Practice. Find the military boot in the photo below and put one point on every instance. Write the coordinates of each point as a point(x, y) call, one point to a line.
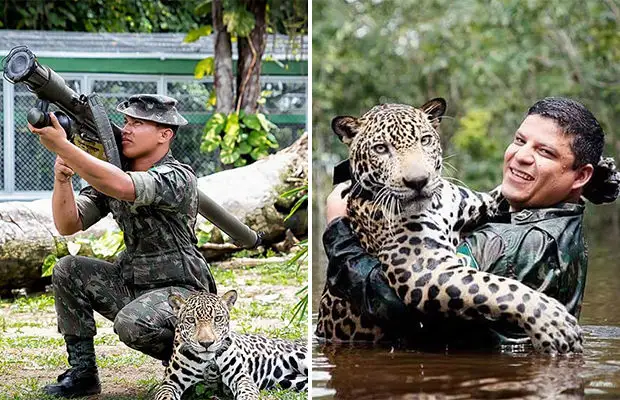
point(82, 378)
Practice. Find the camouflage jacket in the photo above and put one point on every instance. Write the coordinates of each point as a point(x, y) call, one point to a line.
point(542, 248)
point(158, 227)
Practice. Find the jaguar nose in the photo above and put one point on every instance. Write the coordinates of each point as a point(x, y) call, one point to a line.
point(205, 344)
point(416, 183)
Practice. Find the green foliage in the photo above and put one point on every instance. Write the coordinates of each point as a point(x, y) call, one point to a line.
point(300, 311)
point(205, 67)
point(101, 15)
point(302, 192)
point(106, 247)
point(239, 21)
point(197, 33)
point(472, 135)
point(204, 233)
point(48, 265)
point(240, 137)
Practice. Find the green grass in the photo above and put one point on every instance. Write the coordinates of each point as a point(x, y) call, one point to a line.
point(32, 304)
point(224, 276)
point(107, 339)
point(278, 274)
point(22, 324)
point(30, 342)
point(126, 359)
point(255, 309)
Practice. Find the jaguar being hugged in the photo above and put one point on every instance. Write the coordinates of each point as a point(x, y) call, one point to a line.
point(410, 217)
point(205, 349)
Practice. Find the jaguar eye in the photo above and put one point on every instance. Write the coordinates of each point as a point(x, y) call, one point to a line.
point(426, 140)
point(219, 318)
point(191, 320)
point(380, 148)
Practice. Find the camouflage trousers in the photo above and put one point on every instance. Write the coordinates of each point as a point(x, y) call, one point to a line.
point(143, 320)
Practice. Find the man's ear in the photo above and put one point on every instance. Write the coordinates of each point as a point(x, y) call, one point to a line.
point(166, 135)
point(584, 174)
point(435, 109)
point(346, 128)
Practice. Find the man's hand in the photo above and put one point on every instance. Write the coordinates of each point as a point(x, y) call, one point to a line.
point(52, 137)
point(62, 172)
point(336, 205)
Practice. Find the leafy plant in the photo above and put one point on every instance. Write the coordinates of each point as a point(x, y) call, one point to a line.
point(106, 247)
point(300, 311)
point(240, 137)
point(203, 233)
point(301, 190)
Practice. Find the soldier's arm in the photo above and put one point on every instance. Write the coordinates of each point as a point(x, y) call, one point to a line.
point(167, 186)
point(356, 275)
point(64, 210)
point(105, 177)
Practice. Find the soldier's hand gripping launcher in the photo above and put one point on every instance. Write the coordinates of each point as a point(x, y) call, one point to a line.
point(87, 125)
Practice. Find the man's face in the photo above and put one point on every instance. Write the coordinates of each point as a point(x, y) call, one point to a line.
point(538, 166)
point(140, 137)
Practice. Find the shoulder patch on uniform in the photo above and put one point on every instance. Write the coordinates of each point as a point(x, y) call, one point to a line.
point(163, 169)
point(464, 253)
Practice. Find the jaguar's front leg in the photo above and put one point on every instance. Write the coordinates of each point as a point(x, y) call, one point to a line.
point(468, 293)
point(183, 372)
point(240, 382)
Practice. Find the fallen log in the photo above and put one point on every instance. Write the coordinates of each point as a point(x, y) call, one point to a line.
point(243, 262)
point(251, 193)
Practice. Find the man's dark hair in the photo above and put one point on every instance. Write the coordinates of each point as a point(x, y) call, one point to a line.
point(577, 121)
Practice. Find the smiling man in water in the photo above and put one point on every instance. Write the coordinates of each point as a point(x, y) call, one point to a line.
point(553, 160)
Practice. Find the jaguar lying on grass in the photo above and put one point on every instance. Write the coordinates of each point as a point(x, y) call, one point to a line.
point(407, 215)
point(206, 350)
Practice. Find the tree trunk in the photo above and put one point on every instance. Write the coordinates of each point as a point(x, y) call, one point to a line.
point(250, 52)
point(223, 74)
point(251, 193)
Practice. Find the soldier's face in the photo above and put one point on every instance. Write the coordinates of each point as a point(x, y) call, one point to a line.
point(538, 166)
point(140, 137)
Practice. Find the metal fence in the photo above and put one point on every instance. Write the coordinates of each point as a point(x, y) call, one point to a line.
point(26, 167)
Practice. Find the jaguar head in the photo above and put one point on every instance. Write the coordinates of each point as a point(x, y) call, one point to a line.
point(203, 320)
point(395, 150)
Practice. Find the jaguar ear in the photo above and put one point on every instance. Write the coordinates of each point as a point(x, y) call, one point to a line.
point(345, 127)
point(229, 298)
point(435, 109)
point(176, 302)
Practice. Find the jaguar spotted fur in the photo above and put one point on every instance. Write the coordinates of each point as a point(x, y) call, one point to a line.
point(205, 349)
point(406, 214)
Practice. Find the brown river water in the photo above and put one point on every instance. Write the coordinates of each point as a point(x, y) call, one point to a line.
point(380, 372)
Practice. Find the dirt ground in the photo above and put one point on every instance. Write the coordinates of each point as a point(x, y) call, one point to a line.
point(32, 352)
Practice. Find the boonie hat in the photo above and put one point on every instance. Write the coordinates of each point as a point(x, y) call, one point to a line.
point(152, 107)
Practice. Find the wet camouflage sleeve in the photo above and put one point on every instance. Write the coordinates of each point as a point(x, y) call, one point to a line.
point(92, 206)
point(163, 186)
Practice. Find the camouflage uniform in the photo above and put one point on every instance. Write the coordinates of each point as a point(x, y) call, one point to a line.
point(160, 253)
point(542, 248)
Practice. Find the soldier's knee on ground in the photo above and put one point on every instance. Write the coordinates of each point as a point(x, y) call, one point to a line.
point(143, 335)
